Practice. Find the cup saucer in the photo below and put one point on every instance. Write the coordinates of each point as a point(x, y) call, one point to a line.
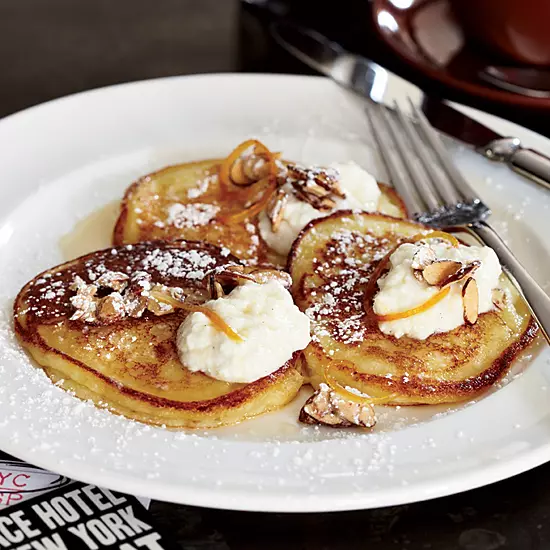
point(426, 35)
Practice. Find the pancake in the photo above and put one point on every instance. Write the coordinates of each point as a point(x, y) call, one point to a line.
point(130, 365)
point(331, 263)
point(182, 202)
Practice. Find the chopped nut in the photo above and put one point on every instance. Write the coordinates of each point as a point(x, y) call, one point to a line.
point(137, 295)
point(79, 284)
point(326, 407)
point(135, 304)
point(84, 301)
point(470, 299)
point(111, 308)
point(113, 279)
point(440, 271)
point(418, 275)
point(276, 208)
point(323, 178)
point(263, 275)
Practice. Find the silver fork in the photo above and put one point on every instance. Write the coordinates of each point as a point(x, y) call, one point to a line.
point(437, 195)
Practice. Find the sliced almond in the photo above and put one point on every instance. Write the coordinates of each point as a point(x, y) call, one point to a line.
point(311, 186)
point(319, 203)
point(470, 299)
point(276, 209)
point(238, 175)
point(465, 271)
point(334, 186)
point(215, 288)
point(327, 204)
point(437, 273)
point(255, 167)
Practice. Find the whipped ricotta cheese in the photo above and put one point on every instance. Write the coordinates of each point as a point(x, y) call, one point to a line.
point(264, 315)
point(362, 193)
point(400, 290)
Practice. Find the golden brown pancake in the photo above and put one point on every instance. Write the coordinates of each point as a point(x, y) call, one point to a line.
point(180, 202)
point(131, 365)
point(331, 263)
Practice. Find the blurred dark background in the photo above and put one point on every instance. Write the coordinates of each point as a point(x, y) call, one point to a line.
point(51, 48)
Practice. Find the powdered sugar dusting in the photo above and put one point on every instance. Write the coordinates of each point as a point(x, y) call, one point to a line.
point(202, 186)
point(188, 264)
point(190, 215)
point(336, 304)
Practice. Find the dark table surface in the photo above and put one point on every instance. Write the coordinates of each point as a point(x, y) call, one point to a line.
point(51, 48)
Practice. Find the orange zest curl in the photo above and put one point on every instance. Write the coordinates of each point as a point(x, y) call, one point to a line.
point(259, 149)
point(213, 317)
point(218, 322)
point(256, 208)
point(341, 390)
point(435, 299)
point(438, 235)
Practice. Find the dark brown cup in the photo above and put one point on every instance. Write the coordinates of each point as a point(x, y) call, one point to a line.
point(516, 29)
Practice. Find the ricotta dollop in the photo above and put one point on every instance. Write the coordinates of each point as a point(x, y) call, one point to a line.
point(264, 315)
point(401, 290)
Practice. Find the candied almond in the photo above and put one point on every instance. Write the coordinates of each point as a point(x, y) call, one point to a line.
point(111, 308)
point(238, 175)
point(215, 289)
point(311, 186)
point(115, 280)
point(465, 271)
point(255, 167)
point(470, 299)
point(276, 209)
point(437, 273)
point(327, 408)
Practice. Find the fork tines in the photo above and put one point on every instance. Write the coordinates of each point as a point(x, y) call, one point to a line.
point(418, 163)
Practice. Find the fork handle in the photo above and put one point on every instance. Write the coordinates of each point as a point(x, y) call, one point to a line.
point(537, 300)
point(531, 164)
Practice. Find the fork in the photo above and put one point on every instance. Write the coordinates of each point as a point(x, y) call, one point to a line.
point(437, 194)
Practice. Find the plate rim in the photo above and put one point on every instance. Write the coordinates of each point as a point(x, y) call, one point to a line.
point(239, 500)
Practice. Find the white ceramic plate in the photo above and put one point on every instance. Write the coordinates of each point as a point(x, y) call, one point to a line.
point(64, 165)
